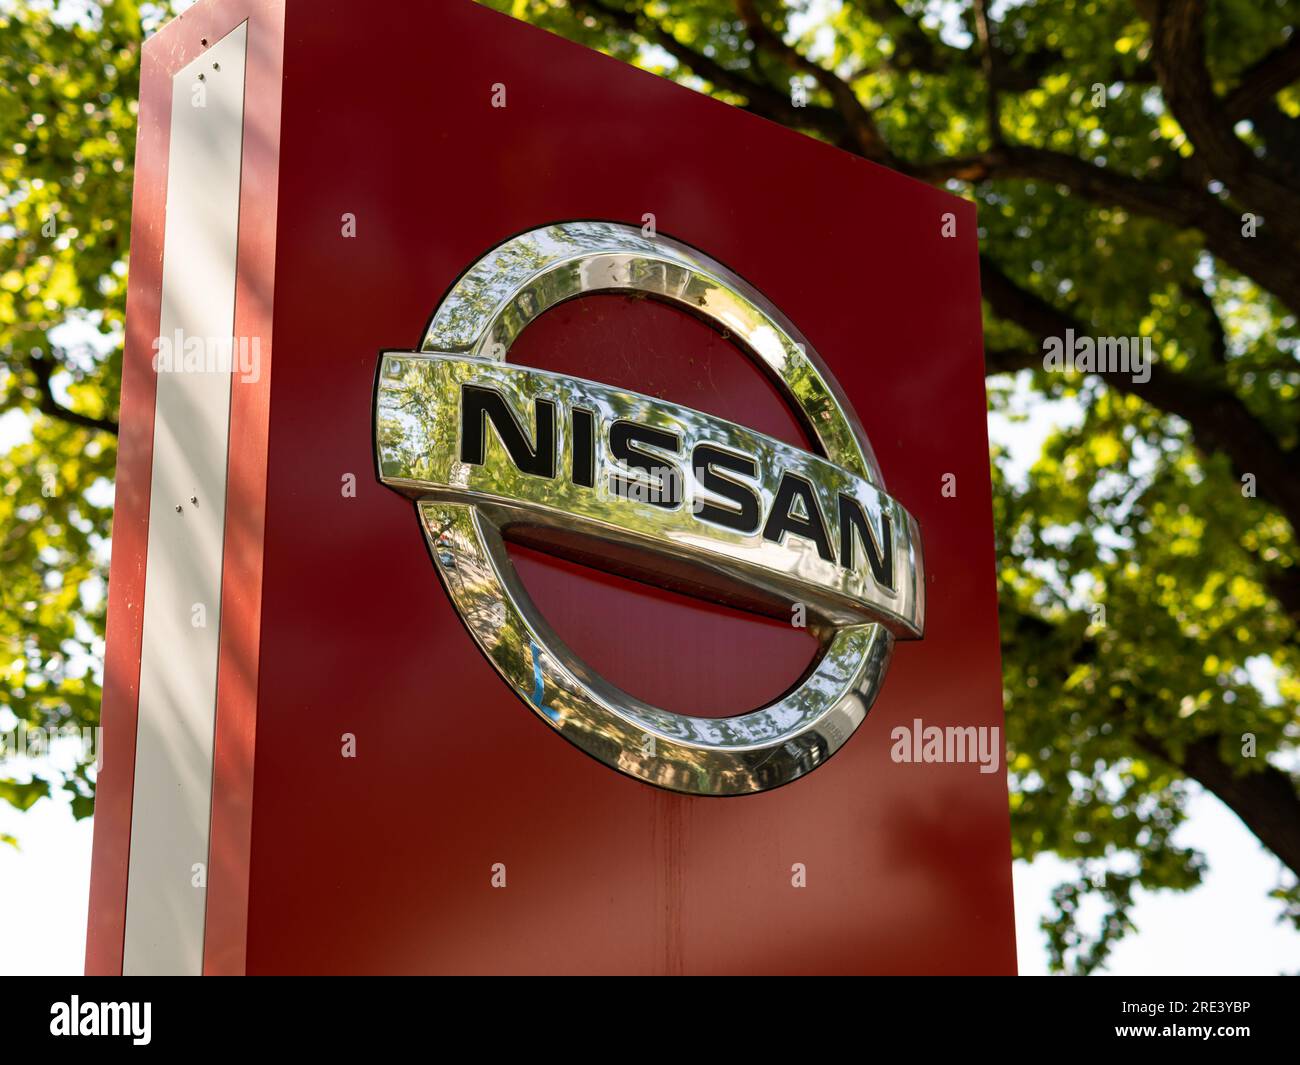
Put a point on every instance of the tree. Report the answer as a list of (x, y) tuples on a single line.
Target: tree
[(1137, 168)]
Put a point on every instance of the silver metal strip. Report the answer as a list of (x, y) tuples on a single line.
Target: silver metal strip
[(166, 887), (420, 422)]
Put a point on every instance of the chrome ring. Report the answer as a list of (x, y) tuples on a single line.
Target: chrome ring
[(481, 316)]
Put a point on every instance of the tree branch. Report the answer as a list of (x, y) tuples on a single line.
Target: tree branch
[(915, 49), (1262, 257), (1027, 309), (1280, 134), (1219, 421), (1253, 100), (762, 99), (43, 370), (1196, 294), (870, 144), (1264, 80), (1178, 50), (1265, 799), (985, 36), (1263, 796), (1283, 583)]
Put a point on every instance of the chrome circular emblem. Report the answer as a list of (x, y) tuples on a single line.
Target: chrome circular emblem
[(663, 493)]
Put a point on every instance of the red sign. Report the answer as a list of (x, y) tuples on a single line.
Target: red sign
[(282, 652)]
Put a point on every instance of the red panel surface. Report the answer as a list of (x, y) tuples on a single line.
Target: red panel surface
[(382, 862), (225, 930), (106, 923)]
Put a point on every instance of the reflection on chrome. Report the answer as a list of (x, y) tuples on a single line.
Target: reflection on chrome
[(870, 575), (660, 492)]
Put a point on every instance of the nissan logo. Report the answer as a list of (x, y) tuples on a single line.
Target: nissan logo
[(650, 489)]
